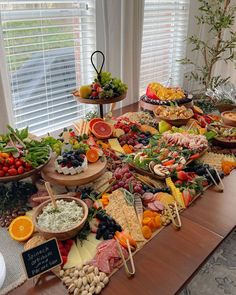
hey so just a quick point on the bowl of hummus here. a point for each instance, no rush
(229, 118)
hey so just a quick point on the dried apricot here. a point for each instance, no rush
(146, 220)
(147, 213)
(152, 225)
(158, 221)
(147, 233)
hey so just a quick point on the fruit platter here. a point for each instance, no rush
(21, 155)
(158, 94)
(105, 89)
(107, 186)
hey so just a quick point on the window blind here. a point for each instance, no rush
(48, 45)
(164, 32)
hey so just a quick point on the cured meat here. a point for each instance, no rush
(147, 198)
(107, 257)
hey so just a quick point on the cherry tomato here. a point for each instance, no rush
(2, 161)
(18, 163)
(2, 173)
(12, 171)
(20, 170)
(10, 161)
(27, 165)
(5, 168)
(1, 167)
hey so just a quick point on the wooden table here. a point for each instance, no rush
(168, 261)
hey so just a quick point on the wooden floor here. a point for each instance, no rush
(169, 260)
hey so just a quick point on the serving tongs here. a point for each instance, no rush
(219, 186)
(129, 272)
(177, 225)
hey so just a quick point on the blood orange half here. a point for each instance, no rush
(102, 130)
(93, 121)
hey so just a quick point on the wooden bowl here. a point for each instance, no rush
(228, 121)
(61, 235)
(223, 107)
(174, 122)
(24, 175)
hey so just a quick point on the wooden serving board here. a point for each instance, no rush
(100, 100)
(93, 171)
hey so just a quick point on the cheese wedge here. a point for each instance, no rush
(115, 145)
(83, 251)
(92, 239)
(73, 258)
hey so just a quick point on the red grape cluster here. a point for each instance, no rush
(131, 139)
(126, 180)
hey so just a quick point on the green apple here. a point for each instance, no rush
(164, 126)
(85, 91)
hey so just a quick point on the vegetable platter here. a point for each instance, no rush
(21, 155)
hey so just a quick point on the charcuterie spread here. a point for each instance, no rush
(154, 169)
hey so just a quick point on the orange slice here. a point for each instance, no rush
(21, 228)
(92, 155)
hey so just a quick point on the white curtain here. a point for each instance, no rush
(121, 41)
(6, 116)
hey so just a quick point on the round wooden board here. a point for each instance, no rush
(94, 171)
(24, 175)
(100, 101)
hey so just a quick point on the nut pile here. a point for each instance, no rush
(7, 217)
(86, 280)
(165, 217)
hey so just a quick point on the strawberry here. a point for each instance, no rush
(187, 197)
(181, 175)
(96, 86)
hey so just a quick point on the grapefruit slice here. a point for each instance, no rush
(93, 121)
(21, 228)
(102, 130)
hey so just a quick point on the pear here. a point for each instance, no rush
(85, 91)
(164, 126)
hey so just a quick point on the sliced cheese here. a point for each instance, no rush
(83, 251)
(115, 145)
(73, 258)
(92, 248)
(92, 239)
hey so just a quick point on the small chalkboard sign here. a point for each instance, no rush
(42, 258)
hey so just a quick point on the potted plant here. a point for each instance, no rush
(218, 17)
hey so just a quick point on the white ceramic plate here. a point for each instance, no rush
(2, 270)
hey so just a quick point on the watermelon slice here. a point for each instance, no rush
(102, 130)
(93, 121)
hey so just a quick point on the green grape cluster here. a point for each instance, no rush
(105, 78)
(119, 86)
(81, 146)
(57, 147)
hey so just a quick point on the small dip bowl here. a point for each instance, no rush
(65, 234)
(229, 118)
